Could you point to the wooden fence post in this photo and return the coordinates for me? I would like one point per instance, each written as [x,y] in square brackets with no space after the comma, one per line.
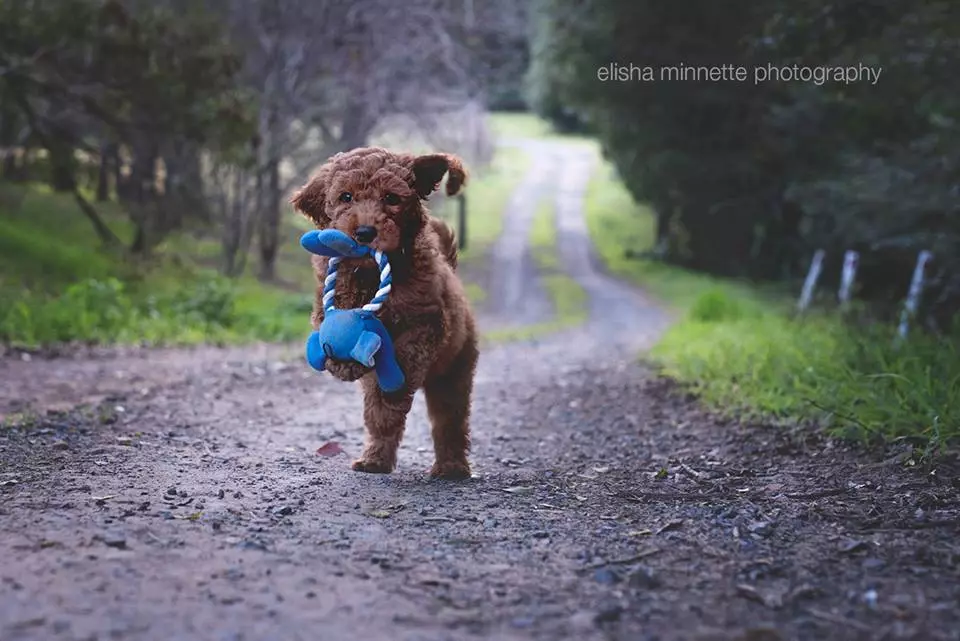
[816,266]
[462,220]
[850,262]
[913,296]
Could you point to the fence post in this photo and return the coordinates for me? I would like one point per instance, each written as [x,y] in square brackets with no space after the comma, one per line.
[816,265]
[462,220]
[850,262]
[913,296]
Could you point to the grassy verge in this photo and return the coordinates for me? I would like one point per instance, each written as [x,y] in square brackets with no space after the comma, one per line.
[567,296]
[745,354]
[58,284]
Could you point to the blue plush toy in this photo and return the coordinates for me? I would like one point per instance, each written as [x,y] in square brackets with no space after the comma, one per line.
[354,334]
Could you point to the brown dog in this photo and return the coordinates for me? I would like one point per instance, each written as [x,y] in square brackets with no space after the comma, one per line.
[376,196]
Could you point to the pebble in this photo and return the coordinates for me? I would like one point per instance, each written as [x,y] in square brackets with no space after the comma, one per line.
[60,445]
[171,491]
[114,540]
[645,578]
[608,614]
[606,576]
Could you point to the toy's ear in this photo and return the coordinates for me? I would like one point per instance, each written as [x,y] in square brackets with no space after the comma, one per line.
[428,171]
[310,201]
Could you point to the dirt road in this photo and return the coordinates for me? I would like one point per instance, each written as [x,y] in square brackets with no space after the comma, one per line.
[192,503]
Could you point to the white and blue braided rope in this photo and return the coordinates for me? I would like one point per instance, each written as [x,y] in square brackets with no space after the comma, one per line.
[386,282]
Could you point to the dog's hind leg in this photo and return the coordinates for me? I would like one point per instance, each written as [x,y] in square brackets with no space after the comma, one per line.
[448,403]
[385,417]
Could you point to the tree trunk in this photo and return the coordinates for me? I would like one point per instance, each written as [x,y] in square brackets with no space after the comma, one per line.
[108,155]
[270,217]
[63,166]
[142,197]
[106,235]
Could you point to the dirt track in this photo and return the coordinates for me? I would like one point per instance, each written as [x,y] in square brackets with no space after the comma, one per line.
[192,503]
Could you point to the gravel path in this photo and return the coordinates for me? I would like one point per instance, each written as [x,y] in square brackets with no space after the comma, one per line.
[191,502]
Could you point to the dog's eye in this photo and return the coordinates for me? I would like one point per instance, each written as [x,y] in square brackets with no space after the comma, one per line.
[346,197]
[391,199]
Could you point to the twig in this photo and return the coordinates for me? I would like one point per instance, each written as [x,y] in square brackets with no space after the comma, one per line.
[626,561]
[819,494]
[839,620]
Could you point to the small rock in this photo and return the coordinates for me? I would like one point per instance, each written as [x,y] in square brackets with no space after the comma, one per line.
[761,528]
[220,493]
[645,578]
[541,534]
[59,445]
[286,510]
[606,576]
[114,540]
[874,563]
[171,491]
[608,614]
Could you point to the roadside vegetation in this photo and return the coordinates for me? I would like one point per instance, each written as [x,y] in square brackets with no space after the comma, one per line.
[746,353]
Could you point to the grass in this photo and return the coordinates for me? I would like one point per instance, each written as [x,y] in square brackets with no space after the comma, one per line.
[747,355]
[59,285]
[567,296]
[514,125]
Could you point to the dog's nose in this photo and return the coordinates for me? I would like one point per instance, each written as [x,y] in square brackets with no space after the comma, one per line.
[365,233]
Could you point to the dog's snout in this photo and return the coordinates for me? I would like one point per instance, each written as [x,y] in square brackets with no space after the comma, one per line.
[365,233]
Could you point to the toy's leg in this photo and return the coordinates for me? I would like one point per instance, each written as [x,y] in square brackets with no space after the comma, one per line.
[448,403]
[315,356]
[389,374]
[367,345]
[385,416]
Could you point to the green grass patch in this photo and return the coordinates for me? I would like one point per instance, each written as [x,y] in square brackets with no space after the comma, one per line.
[519,125]
[59,285]
[745,354]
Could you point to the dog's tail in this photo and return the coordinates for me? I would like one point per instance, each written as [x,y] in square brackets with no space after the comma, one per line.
[448,240]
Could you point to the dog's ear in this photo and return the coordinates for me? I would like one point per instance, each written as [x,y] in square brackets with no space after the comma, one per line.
[428,171]
[310,201]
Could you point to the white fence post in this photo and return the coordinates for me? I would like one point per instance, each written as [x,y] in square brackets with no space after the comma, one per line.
[913,296]
[816,266]
[850,263]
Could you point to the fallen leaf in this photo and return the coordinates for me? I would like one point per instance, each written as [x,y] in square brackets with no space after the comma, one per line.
[330,449]
[9,483]
[191,517]
[519,489]
[602,469]
[102,499]
[381,514]
[639,533]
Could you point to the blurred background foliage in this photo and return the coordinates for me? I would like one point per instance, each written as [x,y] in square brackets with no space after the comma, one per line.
[748,180]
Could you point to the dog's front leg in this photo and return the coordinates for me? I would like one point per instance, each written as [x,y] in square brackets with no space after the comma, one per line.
[385,417]
[385,414]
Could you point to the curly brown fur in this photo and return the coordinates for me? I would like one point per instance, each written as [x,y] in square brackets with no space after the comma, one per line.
[427,313]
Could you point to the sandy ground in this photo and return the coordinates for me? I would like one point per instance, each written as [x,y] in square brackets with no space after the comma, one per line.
[187,499]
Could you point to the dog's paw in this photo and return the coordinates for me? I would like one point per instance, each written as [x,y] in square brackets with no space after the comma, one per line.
[371,466]
[347,371]
[450,470]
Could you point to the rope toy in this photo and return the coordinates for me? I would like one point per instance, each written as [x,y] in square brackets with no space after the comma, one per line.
[352,334]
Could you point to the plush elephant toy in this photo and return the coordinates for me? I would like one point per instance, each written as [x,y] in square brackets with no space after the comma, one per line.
[352,334]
